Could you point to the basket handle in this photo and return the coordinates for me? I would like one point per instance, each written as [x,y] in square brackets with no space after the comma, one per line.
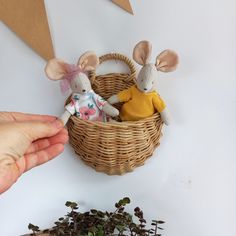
[119,57]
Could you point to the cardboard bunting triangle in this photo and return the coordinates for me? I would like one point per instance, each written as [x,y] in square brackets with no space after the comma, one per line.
[124,4]
[28,19]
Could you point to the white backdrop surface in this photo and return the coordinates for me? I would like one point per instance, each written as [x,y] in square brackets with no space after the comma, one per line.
[190,180]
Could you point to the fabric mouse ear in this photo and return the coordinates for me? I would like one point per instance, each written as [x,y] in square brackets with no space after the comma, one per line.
[88,61]
[142,52]
[167,61]
[55,69]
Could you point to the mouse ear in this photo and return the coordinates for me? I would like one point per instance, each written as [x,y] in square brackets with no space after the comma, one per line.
[142,52]
[55,69]
[88,61]
[167,61]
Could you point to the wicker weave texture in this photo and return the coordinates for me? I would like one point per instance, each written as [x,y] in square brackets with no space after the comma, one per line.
[114,147]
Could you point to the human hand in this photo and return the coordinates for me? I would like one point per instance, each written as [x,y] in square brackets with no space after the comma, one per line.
[27,141]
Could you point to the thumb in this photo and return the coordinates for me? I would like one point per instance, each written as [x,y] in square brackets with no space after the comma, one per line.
[35,129]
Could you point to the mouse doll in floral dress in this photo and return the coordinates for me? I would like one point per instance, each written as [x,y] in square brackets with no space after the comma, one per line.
[84,103]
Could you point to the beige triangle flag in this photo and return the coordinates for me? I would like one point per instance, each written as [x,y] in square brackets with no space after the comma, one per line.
[124,4]
[28,19]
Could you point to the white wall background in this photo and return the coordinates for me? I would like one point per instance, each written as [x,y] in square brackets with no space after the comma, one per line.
[190,181]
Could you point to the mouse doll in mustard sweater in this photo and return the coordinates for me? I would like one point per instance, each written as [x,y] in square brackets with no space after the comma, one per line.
[142,100]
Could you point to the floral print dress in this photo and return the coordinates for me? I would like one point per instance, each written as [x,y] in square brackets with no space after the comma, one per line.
[87,106]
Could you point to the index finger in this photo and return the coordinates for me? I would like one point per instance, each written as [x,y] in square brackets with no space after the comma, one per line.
[18,116]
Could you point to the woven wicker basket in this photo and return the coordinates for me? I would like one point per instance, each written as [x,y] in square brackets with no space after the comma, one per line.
[118,147]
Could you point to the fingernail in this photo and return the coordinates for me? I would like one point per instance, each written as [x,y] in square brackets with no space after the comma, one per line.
[58,123]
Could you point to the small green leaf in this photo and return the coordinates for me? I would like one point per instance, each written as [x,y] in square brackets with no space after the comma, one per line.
[93,211]
[126,200]
[100,231]
[136,209]
[121,202]
[101,214]
[120,227]
[72,205]
[34,228]
[68,203]
[160,222]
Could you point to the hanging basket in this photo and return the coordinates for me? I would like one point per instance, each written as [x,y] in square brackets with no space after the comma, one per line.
[114,147]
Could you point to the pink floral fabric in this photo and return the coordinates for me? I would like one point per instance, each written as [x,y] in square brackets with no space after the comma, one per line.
[86,112]
[87,106]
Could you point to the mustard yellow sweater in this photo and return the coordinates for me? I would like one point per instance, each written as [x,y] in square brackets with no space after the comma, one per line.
[139,105]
